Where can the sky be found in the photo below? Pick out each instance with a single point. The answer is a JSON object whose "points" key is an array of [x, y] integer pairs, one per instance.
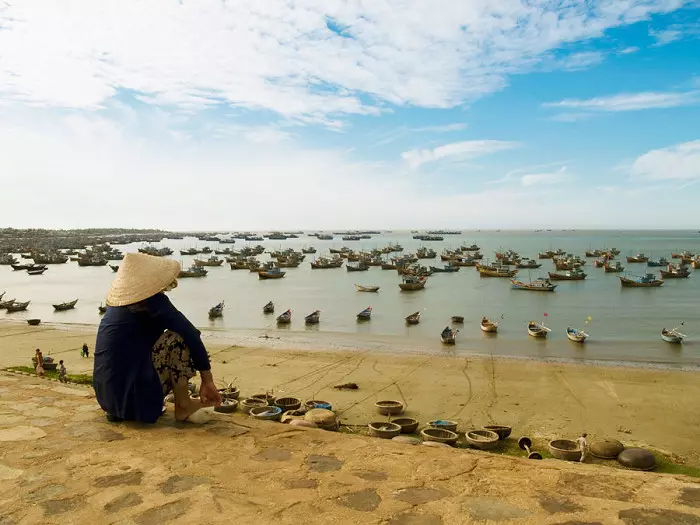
{"points": [[325, 114]]}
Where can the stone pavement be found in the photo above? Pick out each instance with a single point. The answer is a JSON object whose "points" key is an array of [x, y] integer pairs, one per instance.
{"points": [[60, 462]]}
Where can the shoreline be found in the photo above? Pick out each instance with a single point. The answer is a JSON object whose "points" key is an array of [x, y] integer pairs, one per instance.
{"points": [[544, 400]]}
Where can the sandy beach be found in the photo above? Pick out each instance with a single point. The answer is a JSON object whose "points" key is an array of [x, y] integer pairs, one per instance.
{"points": [[652, 407]]}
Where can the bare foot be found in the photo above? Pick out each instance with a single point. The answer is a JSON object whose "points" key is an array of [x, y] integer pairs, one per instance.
{"points": [[183, 411]]}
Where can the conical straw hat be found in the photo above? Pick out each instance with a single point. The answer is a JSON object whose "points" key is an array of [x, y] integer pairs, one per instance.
{"points": [[139, 277]]}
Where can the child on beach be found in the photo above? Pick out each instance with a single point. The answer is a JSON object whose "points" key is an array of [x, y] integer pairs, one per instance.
{"points": [[38, 356], [85, 352], [62, 372], [583, 445]]}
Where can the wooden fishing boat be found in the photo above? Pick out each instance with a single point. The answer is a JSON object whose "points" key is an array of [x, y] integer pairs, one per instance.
{"points": [[545, 255], [17, 307], [313, 318], [192, 271], [639, 258], [448, 268], [528, 263], [647, 281], [114, 267], [358, 267], [658, 263], [323, 263], [682, 255], [309, 250], [538, 285], [472, 248], [216, 311], [448, 336], [21, 267], [274, 273], [269, 308], [5, 304], [211, 261], [411, 283], [190, 251], [571, 275], [240, 264], [101, 309], [65, 306], [36, 271], [488, 326], [593, 253], [672, 336], [361, 288], [457, 319], [577, 336], [463, 261], [696, 263], [365, 314], [414, 318], [537, 329], [496, 270], [7, 259], [92, 261], [285, 318], [674, 271], [615, 267]]}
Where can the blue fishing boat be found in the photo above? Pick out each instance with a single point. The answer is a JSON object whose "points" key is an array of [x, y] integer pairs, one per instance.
{"points": [[658, 262]]}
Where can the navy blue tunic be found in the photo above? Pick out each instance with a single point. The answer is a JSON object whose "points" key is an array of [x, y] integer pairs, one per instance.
{"points": [[126, 383]]}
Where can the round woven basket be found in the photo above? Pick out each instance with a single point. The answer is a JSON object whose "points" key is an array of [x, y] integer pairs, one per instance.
{"points": [[266, 413], [248, 404], [439, 435]]}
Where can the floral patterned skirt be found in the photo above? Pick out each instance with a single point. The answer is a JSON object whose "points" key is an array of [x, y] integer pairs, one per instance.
{"points": [[171, 359]]}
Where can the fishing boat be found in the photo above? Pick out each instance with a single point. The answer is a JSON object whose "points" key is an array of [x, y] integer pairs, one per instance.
{"points": [[365, 314], [570, 275], [65, 306], [696, 263], [36, 271], [357, 267], [545, 255], [639, 258], [17, 307], [488, 326], [577, 336], [313, 318], [309, 250], [239, 264], [114, 267], [101, 309], [5, 304], [538, 285], [615, 267], [192, 271], [7, 259], [448, 336], [682, 255], [537, 329], [647, 281], [414, 318], [324, 263], [528, 263], [285, 318], [672, 336], [593, 253], [658, 263], [411, 283], [472, 248], [216, 311], [675, 271], [269, 308], [496, 270], [463, 261], [361, 288], [457, 319], [211, 261], [189, 251], [448, 268], [21, 267], [274, 273]]}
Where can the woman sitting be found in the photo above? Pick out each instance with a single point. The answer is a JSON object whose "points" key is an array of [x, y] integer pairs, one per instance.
{"points": [[146, 348]]}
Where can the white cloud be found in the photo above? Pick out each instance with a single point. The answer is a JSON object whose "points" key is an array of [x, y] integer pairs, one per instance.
{"points": [[582, 60], [445, 128], [455, 151], [555, 177], [570, 117], [629, 50], [665, 36], [679, 162], [629, 101], [282, 56]]}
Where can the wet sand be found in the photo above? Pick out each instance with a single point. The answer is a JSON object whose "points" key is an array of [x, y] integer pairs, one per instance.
{"points": [[654, 407]]}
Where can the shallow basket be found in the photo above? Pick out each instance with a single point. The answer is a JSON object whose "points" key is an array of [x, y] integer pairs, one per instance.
{"points": [[227, 406], [444, 424], [439, 435], [33, 322], [389, 407], [637, 459], [268, 398], [266, 413], [382, 429], [407, 424], [233, 393], [565, 449], [288, 403], [248, 404], [317, 403], [482, 439], [606, 448], [502, 430]]}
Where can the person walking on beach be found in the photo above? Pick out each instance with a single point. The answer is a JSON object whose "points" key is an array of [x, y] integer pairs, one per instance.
{"points": [[147, 348], [583, 445], [62, 372], [39, 358], [85, 352]]}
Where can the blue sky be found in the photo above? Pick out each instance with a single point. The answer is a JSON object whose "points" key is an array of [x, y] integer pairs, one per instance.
{"points": [[328, 114]]}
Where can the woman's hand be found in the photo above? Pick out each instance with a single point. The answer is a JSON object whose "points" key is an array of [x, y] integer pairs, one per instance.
{"points": [[208, 393]]}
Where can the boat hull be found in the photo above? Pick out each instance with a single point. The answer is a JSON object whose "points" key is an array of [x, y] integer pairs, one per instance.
{"points": [[629, 283], [490, 328], [675, 340]]}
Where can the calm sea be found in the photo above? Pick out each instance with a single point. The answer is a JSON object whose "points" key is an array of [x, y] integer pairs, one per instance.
{"points": [[625, 325]]}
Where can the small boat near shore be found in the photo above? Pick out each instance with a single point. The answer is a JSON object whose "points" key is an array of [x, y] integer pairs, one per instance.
{"points": [[647, 281], [37, 271], [371, 289], [365, 314], [539, 330], [639, 258], [269, 308], [414, 318], [411, 283], [17, 307], [457, 319], [216, 311], [448, 268], [65, 306], [274, 273], [192, 271], [285, 318], [114, 267], [538, 285], [576, 335], [615, 267], [672, 336], [448, 336], [488, 326], [313, 318], [7, 303]]}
